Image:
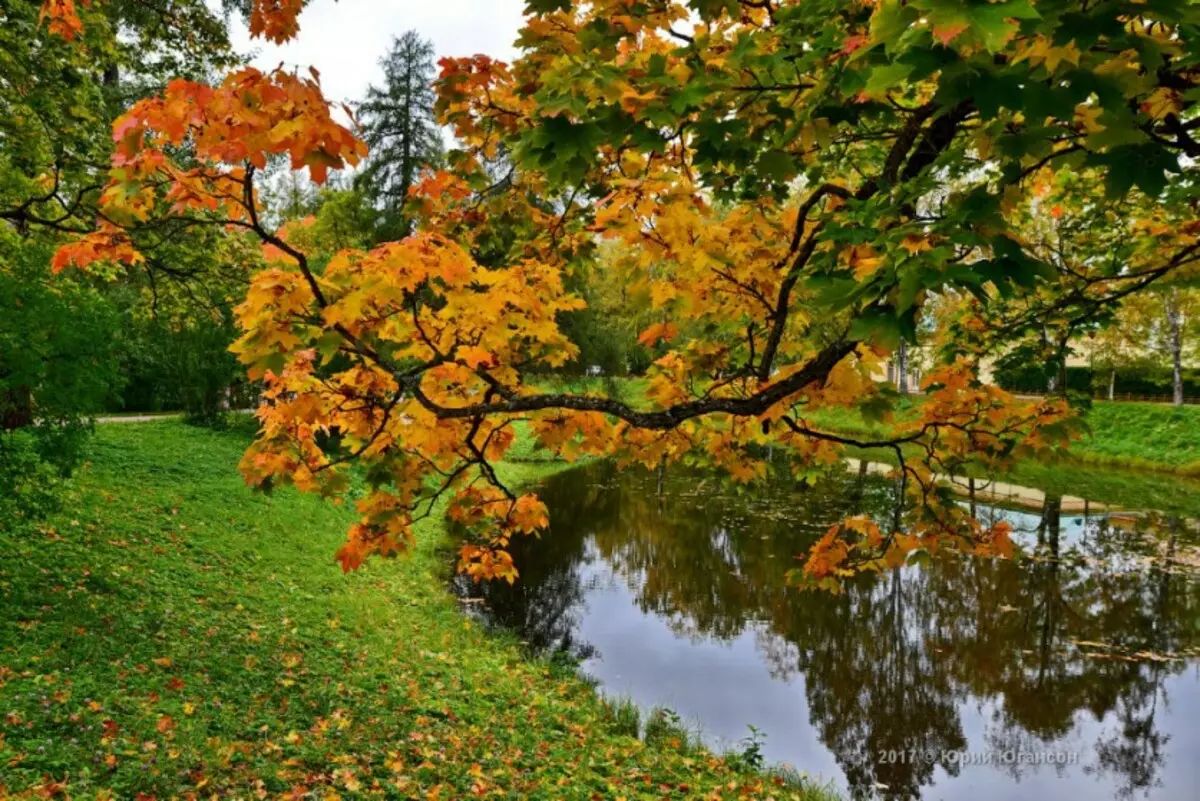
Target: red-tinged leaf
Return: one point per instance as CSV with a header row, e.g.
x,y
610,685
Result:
x,y
948,33
854,42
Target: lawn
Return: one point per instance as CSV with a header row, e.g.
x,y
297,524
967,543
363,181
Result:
x,y
1144,435
172,635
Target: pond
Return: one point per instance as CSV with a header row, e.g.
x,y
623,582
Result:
x,y
1071,672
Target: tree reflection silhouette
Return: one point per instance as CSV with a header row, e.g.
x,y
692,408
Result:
x,y
889,664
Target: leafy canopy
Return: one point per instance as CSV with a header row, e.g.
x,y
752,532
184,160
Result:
x,y
790,182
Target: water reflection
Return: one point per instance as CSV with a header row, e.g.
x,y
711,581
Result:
x,y
681,599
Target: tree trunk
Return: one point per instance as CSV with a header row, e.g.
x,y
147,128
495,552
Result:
x,y
902,368
16,408
1057,384
408,168
1112,383
1175,343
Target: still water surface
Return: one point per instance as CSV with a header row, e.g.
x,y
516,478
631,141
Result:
x,y
909,683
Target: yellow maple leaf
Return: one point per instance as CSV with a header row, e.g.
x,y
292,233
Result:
x,y
1162,102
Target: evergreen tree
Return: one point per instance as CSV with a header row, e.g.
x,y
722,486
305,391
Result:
x,y
399,127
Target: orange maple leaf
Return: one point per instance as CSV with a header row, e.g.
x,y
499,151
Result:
x,y
657,332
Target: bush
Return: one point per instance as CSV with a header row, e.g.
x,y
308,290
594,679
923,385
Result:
x,y
30,486
58,365
1145,378
1148,378
1025,377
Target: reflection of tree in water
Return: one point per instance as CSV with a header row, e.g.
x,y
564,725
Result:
x,y
1135,753
714,559
1017,643
877,695
544,605
888,663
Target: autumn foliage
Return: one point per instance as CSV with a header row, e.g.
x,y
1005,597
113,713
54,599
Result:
x,y
792,184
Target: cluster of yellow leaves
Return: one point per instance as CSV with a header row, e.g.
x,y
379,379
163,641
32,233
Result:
x,y
981,421
474,326
696,263
248,118
570,434
478,88
488,510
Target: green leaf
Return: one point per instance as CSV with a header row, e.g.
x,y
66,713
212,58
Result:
x,y
878,325
777,165
1144,166
887,76
891,21
328,345
546,6
711,9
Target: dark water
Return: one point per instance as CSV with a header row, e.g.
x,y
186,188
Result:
x,y
1075,674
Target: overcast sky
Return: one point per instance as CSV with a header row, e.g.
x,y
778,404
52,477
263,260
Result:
x,y
345,39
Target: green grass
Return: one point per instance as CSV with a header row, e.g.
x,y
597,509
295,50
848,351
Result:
x,y
1143,436
170,633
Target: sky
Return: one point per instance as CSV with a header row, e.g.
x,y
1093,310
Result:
x,y
344,40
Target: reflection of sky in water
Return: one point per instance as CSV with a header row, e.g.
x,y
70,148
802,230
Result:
x,y
1072,527
721,687
734,647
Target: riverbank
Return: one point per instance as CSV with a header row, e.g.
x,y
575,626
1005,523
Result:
x,y
173,634
1138,436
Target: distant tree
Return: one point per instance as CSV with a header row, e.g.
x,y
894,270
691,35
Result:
x,y
399,127
1163,322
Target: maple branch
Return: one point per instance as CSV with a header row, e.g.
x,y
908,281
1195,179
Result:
x,y
1042,162
779,315
273,239
817,369
354,454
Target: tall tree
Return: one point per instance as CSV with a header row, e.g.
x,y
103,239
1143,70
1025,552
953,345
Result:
x,y
62,84
399,127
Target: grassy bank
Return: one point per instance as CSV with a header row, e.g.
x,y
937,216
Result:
x,y
1144,436
1147,435
172,634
